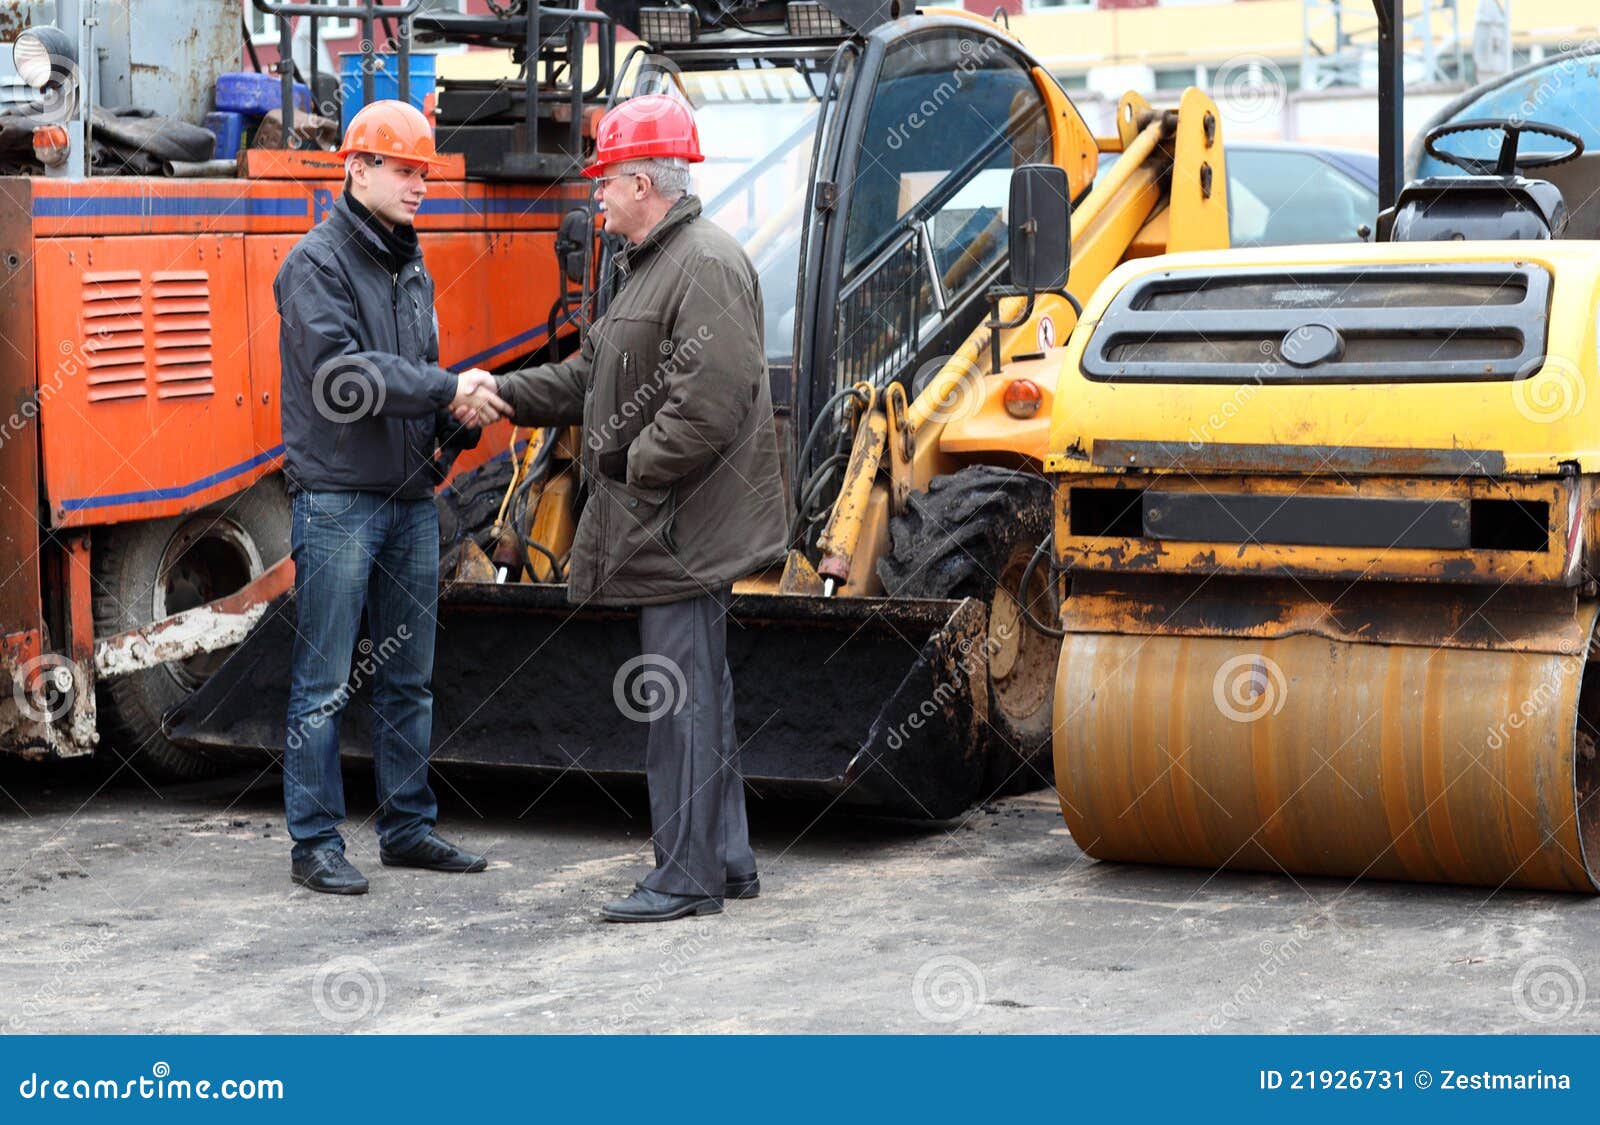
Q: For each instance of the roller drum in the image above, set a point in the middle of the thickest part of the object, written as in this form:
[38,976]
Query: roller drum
[1318,756]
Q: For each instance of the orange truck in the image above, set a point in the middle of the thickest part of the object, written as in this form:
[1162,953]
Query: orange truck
[144,521]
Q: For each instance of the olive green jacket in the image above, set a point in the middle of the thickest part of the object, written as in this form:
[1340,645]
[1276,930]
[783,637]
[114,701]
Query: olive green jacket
[679,448]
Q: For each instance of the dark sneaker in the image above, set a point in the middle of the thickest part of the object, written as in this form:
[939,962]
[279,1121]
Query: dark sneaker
[432,853]
[657,906]
[328,871]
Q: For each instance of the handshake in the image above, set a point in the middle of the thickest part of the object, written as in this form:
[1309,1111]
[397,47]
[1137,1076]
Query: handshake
[477,401]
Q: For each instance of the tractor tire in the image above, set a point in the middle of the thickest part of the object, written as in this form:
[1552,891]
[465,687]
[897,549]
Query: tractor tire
[147,570]
[972,534]
[468,507]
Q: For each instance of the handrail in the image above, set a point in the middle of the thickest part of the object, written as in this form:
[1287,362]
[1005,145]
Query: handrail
[368,12]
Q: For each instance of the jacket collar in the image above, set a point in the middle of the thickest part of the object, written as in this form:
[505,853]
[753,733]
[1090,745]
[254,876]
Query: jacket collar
[389,249]
[683,212]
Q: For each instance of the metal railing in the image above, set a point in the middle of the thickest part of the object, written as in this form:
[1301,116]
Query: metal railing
[879,314]
[368,12]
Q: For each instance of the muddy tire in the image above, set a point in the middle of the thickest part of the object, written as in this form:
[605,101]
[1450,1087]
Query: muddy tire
[151,569]
[468,507]
[971,535]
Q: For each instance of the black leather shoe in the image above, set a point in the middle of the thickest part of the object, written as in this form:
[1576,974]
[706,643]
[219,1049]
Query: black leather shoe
[743,886]
[656,906]
[434,854]
[328,871]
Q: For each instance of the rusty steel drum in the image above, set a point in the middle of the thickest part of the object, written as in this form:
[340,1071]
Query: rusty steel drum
[1330,755]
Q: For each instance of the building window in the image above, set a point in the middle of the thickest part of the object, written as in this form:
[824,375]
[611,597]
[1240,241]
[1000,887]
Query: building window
[1180,77]
[264,28]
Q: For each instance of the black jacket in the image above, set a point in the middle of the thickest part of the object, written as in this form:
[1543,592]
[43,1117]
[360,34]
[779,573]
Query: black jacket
[363,396]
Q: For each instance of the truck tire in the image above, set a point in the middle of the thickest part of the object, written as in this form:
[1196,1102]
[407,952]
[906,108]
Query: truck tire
[147,570]
[972,534]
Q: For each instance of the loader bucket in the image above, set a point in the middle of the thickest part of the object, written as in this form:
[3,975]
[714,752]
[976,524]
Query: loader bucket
[1450,740]
[861,701]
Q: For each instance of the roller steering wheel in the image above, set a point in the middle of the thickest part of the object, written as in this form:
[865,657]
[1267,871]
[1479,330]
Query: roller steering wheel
[1508,163]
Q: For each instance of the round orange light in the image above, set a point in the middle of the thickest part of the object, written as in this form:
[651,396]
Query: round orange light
[1023,398]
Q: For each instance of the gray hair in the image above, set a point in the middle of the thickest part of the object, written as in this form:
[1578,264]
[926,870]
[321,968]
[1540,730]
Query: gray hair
[669,174]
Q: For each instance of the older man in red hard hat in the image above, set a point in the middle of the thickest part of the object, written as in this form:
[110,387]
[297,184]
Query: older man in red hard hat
[681,460]
[365,408]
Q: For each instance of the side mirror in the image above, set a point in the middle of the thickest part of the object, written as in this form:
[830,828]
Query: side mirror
[573,241]
[1041,228]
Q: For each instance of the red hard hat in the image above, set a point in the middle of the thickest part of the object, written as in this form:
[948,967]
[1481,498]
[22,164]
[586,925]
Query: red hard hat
[650,125]
[391,128]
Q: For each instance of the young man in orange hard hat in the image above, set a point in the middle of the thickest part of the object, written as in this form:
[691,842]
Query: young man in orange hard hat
[681,459]
[365,406]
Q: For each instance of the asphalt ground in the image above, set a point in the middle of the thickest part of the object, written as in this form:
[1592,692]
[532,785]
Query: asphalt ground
[128,907]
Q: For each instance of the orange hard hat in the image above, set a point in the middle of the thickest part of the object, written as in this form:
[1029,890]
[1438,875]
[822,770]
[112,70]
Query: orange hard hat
[651,125]
[391,128]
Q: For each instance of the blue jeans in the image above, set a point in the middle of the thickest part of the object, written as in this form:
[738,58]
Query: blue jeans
[353,550]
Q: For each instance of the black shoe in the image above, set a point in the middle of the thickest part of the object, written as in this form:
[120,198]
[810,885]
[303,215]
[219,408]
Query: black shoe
[743,886]
[656,906]
[328,871]
[434,854]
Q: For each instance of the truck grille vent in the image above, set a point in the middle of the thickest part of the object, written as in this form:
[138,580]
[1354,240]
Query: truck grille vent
[113,335]
[1339,324]
[182,303]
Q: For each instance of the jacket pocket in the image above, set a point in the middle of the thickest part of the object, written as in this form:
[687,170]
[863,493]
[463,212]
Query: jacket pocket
[640,525]
[631,387]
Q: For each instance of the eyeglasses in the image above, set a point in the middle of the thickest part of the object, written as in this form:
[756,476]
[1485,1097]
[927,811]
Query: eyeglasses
[601,181]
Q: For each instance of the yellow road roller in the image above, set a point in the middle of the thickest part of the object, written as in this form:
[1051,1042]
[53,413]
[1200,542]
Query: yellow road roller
[1327,519]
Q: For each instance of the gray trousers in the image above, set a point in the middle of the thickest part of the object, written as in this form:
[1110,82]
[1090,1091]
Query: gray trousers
[697,816]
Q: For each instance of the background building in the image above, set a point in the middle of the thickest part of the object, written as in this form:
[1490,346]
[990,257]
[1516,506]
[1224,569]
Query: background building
[1301,70]
[1287,69]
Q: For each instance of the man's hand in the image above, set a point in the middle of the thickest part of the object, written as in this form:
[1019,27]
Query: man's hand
[477,401]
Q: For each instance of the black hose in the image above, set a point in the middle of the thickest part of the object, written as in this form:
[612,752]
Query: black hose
[556,574]
[817,428]
[1022,602]
[813,492]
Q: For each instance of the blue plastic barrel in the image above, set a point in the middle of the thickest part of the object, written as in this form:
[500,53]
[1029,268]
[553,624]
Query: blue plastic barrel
[385,81]
[228,128]
[253,94]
